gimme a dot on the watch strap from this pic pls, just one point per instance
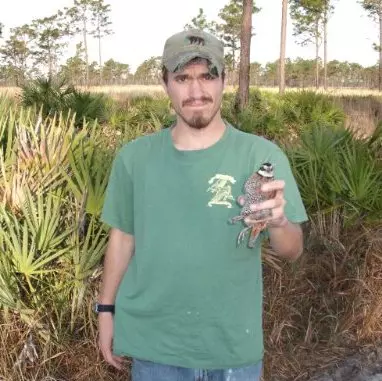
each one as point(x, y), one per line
point(104, 308)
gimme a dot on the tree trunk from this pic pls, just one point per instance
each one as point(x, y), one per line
point(100, 59)
point(317, 56)
point(380, 50)
point(50, 63)
point(282, 46)
point(245, 49)
point(233, 77)
point(326, 50)
point(86, 53)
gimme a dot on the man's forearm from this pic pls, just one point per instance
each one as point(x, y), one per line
point(287, 240)
point(119, 252)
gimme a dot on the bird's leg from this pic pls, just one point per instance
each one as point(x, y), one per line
point(241, 234)
point(236, 219)
point(256, 229)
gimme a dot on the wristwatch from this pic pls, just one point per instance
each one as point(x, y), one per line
point(104, 308)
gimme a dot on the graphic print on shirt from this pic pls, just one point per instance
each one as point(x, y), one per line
point(220, 187)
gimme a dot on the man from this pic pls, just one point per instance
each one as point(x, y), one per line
point(188, 299)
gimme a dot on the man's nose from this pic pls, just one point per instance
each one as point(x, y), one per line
point(195, 88)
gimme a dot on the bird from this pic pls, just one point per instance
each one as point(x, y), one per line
point(254, 195)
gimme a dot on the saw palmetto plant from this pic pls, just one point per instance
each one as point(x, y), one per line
point(335, 170)
point(52, 180)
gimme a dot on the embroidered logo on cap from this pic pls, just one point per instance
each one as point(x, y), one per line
point(196, 40)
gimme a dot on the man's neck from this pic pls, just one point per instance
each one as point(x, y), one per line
point(187, 138)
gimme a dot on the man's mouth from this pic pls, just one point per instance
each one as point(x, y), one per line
point(197, 102)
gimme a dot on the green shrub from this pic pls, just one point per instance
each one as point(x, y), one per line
point(281, 117)
point(263, 116)
point(306, 108)
point(53, 96)
point(52, 183)
point(88, 106)
point(337, 171)
point(140, 115)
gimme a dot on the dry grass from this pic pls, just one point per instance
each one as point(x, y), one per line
point(362, 113)
point(9, 91)
point(129, 90)
point(133, 90)
point(157, 89)
point(332, 91)
point(327, 305)
point(76, 359)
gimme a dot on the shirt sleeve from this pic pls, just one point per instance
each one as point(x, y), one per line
point(118, 207)
point(294, 209)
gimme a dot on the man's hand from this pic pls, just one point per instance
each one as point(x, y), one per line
point(285, 237)
point(105, 321)
point(275, 205)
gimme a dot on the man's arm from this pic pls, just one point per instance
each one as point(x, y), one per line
point(118, 254)
point(287, 240)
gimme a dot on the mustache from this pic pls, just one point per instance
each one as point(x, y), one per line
point(192, 100)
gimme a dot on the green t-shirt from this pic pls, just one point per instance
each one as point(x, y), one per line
point(190, 296)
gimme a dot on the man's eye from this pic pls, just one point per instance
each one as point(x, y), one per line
point(181, 79)
point(209, 77)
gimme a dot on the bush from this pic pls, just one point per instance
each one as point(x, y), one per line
point(51, 95)
point(337, 171)
point(282, 117)
point(306, 108)
point(54, 96)
point(140, 115)
point(88, 106)
point(263, 115)
point(52, 185)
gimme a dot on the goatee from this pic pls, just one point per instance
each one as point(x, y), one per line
point(198, 122)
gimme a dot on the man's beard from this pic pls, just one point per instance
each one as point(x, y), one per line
point(198, 121)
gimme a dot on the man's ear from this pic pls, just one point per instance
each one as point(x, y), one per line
point(164, 85)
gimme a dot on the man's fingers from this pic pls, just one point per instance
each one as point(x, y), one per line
point(276, 215)
point(269, 204)
point(240, 200)
point(274, 185)
point(114, 361)
point(119, 359)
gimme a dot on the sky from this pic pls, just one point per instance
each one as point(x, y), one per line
point(141, 28)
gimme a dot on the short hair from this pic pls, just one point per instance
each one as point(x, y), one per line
point(194, 60)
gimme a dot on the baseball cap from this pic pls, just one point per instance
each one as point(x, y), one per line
point(184, 46)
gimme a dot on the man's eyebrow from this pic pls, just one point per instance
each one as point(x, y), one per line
point(181, 76)
point(201, 75)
